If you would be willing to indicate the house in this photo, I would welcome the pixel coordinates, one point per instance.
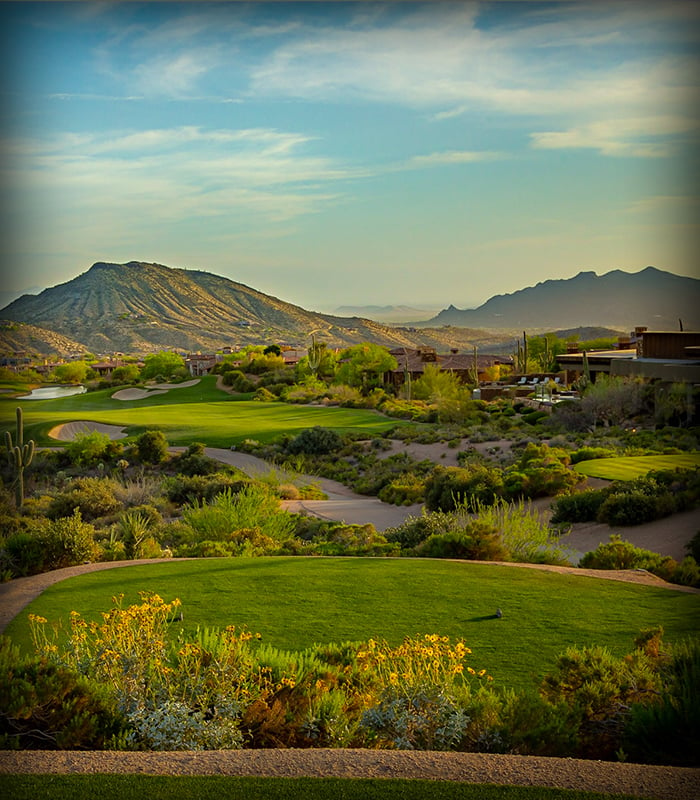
(413, 363)
(199, 364)
(671, 356)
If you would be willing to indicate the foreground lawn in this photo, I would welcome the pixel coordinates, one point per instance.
(626, 468)
(297, 602)
(200, 413)
(161, 787)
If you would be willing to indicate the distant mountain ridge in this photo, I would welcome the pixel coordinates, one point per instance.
(652, 297)
(141, 307)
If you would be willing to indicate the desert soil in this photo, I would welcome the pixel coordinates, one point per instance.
(662, 783)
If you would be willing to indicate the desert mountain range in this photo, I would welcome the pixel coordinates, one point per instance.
(144, 307)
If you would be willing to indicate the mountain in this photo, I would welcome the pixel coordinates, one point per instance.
(140, 307)
(16, 337)
(392, 314)
(652, 297)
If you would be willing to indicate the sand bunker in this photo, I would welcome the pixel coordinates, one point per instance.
(139, 394)
(69, 430)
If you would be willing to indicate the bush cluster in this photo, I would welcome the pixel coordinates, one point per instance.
(221, 689)
(654, 496)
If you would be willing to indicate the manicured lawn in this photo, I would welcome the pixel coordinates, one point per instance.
(628, 467)
(198, 413)
(166, 787)
(297, 602)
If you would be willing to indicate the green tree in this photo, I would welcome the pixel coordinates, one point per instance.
(273, 349)
(129, 373)
(152, 447)
(74, 372)
(164, 363)
(364, 365)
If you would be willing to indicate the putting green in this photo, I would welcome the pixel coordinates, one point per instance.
(626, 468)
(200, 413)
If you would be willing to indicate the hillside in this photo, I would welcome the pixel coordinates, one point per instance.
(16, 337)
(652, 297)
(141, 307)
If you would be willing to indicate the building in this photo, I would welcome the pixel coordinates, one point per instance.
(413, 363)
(669, 356)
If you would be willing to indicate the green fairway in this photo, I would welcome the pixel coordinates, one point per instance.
(214, 787)
(296, 602)
(629, 467)
(200, 413)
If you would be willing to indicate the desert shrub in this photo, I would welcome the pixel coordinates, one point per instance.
(620, 554)
(634, 508)
(687, 573)
(590, 453)
(425, 720)
(524, 534)
(354, 540)
(69, 541)
(599, 689)
(93, 497)
(668, 731)
(315, 441)
(152, 447)
(615, 554)
(539, 481)
(415, 530)
(449, 487)
(88, 448)
(22, 553)
(135, 530)
(174, 725)
(193, 461)
(254, 507)
(693, 547)
(477, 541)
(404, 490)
(578, 506)
(238, 381)
(183, 489)
(264, 395)
(45, 706)
(530, 725)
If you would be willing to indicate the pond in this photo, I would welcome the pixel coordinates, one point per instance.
(52, 392)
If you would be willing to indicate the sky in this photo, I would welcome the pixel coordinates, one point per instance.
(354, 153)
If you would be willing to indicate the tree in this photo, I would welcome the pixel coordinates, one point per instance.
(163, 364)
(435, 385)
(364, 365)
(612, 400)
(129, 373)
(273, 349)
(152, 447)
(74, 372)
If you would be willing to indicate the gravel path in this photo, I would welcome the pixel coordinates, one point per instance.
(664, 783)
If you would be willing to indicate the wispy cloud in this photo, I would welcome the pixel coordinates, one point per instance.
(645, 137)
(452, 157)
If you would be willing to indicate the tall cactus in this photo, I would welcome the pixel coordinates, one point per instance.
(315, 355)
(20, 456)
(521, 356)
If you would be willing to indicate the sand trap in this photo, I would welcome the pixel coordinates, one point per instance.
(136, 394)
(139, 394)
(69, 430)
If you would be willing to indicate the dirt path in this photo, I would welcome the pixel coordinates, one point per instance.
(660, 783)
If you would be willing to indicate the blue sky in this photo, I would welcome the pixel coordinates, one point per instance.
(351, 153)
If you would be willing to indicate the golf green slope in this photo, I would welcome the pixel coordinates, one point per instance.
(296, 602)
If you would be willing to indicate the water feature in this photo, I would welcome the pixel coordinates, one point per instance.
(52, 392)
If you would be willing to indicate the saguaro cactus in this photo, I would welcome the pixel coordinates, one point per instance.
(20, 456)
